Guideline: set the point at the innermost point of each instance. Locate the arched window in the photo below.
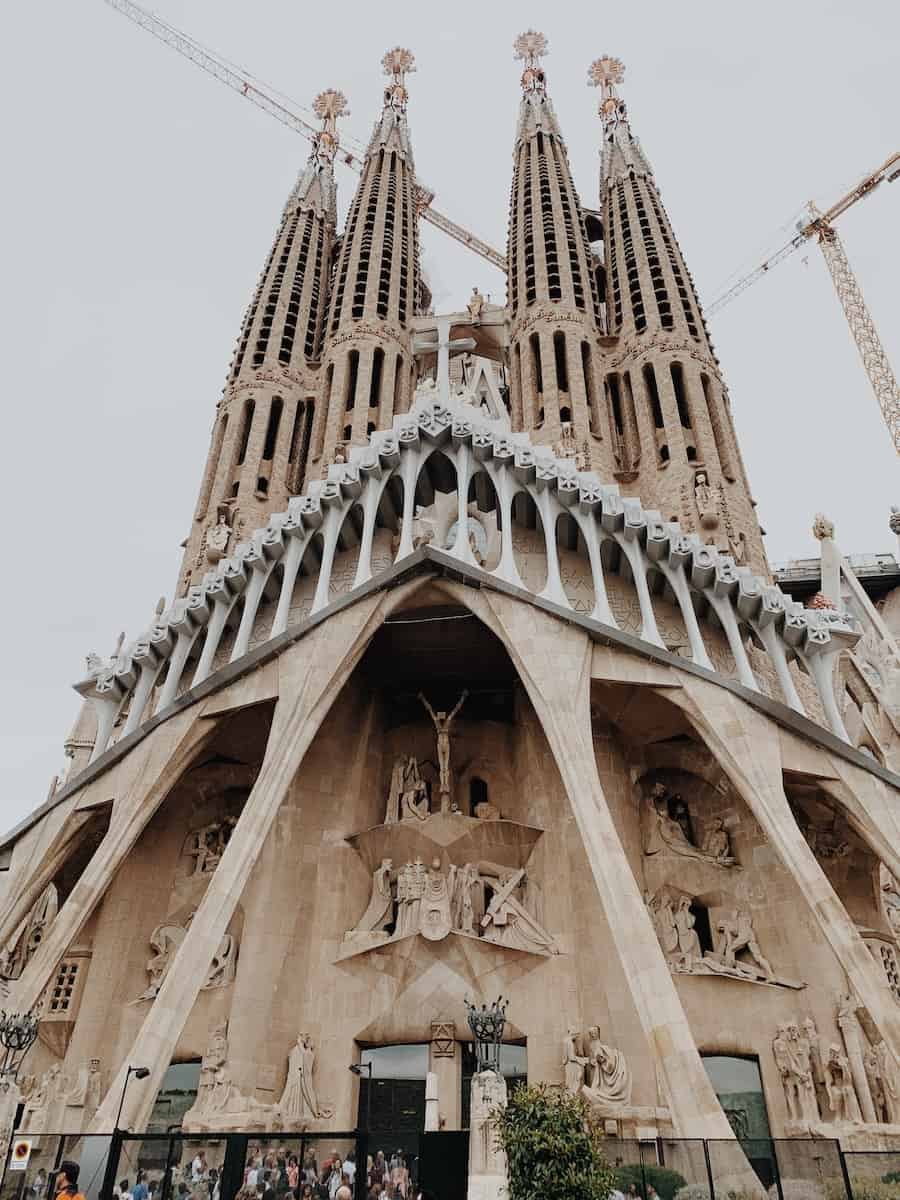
(352, 373)
(272, 427)
(249, 408)
(375, 383)
(559, 354)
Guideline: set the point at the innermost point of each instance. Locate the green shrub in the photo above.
(552, 1151)
(666, 1182)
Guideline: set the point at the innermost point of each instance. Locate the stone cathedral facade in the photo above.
(475, 683)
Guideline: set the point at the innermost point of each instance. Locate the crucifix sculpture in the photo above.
(440, 342)
(442, 722)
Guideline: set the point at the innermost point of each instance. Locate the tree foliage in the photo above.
(551, 1148)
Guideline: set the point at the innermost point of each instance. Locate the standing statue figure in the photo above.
(574, 1061)
(378, 915)
(442, 722)
(787, 1069)
(839, 1086)
(299, 1102)
(413, 792)
(688, 939)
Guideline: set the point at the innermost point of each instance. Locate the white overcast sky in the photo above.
(141, 197)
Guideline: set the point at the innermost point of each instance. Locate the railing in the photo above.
(218, 1167)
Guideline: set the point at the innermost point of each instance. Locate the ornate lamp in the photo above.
(17, 1033)
(487, 1025)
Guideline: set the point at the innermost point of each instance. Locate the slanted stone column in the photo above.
(742, 742)
(554, 664)
(311, 674)
(153, 769)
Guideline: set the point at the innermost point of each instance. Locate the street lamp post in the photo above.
(138, 1073)
(487, 1025)
(17, 1033)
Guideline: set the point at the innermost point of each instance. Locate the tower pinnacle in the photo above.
(622, 153)
(531, 47)
(397, 64)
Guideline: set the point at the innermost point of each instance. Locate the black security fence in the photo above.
(246, 1166)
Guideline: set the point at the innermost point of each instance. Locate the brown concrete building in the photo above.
(477, 684)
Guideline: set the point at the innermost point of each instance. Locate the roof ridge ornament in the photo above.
(530, 47)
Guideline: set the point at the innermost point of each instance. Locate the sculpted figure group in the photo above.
(667, 827)
(831, 1083)
(484, 900)
(220, 1102)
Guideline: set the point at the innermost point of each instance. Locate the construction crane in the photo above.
(260, 96)
(820, 226)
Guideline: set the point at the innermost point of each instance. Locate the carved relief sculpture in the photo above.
(166, 939)
(208, 844)
(29, 935)
(574, 1062)
(436, 920)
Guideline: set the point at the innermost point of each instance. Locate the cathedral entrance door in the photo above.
(444, 1164)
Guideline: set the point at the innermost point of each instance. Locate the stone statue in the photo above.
(881, 1072)
(410, 890)
(212, 1062)
(509, 923)
(395, 791)
(738, 936)
(165, 940)
(423, 530)
(442, 722)
(413, 792)
(801, 1050)
(224, 963)
(716, 843)
(784, 1061)
(436, 920)
(822, 528)
(299, 1102)
(208, 844)
(662, 914)
(380, 912)
(86, 1091)
(47, 1092)
(30, 933)
(468, 903)
(217, 535)
(662, 832)
(706, 500)
(574, 1062)
(475, 304)
(688, 941)
(839, 1086)
(610, 1078)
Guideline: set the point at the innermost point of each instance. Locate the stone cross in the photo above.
(445, 346)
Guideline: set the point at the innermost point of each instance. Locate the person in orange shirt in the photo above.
(67, 1181)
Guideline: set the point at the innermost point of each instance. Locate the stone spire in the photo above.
(367, 368)
(261, 436)
(552, 295)
(668, 411)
